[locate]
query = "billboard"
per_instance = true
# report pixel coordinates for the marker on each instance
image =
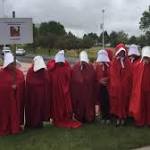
(16, 31)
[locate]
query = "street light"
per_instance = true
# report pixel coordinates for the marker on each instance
(103, 38)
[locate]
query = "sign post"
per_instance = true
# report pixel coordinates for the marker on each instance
(16, 30)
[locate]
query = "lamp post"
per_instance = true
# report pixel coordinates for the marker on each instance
(103, 38)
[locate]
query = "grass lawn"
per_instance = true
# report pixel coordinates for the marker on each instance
(89, 137)
(92, 52)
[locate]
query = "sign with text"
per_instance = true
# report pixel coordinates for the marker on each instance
(16, 30)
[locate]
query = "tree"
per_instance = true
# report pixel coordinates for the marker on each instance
(49, 33)
(118, 37)
(48, 41)
(141, 40)
(93, 36)
(52, 27)
(132, 40)
(145, 21)
(113, 38)
(122, 37)
(69, 41)
(106, 37)
(87, 42)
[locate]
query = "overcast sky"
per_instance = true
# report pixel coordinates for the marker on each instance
(82, 16)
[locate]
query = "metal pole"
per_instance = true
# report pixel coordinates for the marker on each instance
(15, 80)
(103, 38)
(3, 12)
(3, 8)
(13, 16)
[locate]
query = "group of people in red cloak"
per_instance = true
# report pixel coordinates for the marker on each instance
(116, 85)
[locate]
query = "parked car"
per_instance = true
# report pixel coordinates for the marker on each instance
(5, 50)
(20, 52)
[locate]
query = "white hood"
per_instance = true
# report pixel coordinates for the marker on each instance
(8, 59)
(133, 50)
(59, 57)
(146, 51)
(38, 63)
(84, 56)
(102, 56)
(119, 50)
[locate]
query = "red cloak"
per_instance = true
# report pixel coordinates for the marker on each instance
(83, 89)
(61, 106)
(120, 88)
(100, 74)
(140, 98)
(37, 108)
(11, 101)
(110, 53)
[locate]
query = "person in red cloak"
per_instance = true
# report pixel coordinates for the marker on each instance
(83, 89)
(140, 98)
(102, 76)
(120, 84)
(97, 105)
(37, 106)
(12, 88)
(133, 53)
(61, 107)
(110, 53)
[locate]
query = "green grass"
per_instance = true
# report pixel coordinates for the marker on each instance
(71, 53)
(43, 52)
(92, 52)
(89, 137)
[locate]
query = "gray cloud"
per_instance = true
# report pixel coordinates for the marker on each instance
(83, 16)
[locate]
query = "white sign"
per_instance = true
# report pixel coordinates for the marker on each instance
(16, 30)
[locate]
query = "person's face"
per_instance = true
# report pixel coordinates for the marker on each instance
(146, 60)
(121, 53)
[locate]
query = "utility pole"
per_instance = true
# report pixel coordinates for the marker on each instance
(15, 47)
(103, 38)
(14, 16)
(3, 8)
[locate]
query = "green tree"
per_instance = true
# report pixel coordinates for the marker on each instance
(118, 37)
(87, 42)
(106, 37)
(52, 27)
(93, 36)
(49, 33)
(132, 40)
(141, 40)
(113, 38)
(145, 21)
